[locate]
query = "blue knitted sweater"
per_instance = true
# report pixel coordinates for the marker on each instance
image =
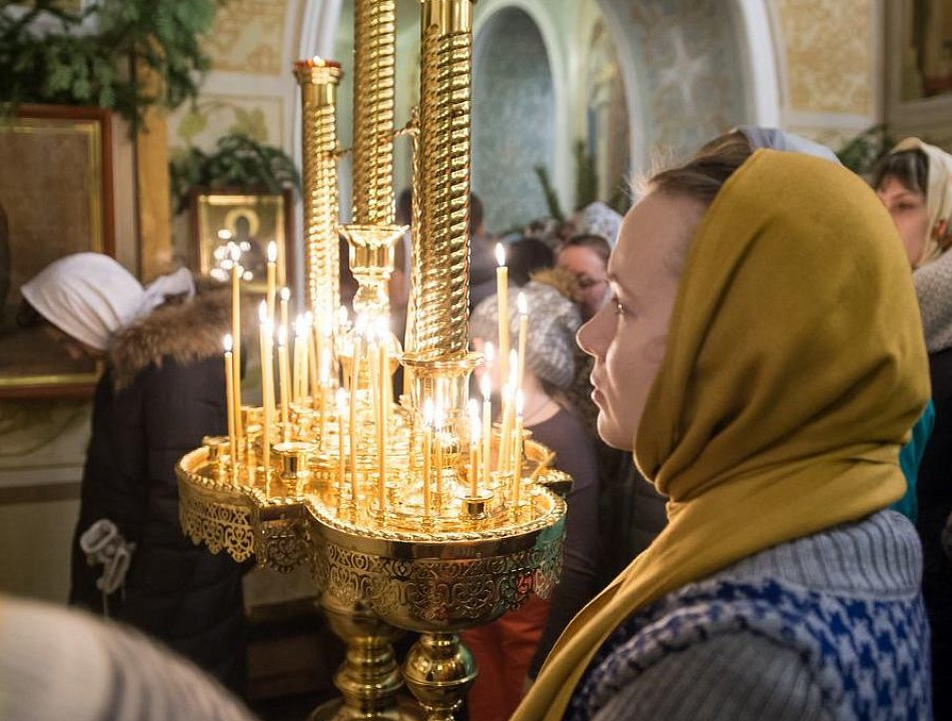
(828, 627)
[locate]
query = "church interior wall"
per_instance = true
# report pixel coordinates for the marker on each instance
(686, 75)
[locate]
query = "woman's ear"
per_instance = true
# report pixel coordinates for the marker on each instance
(943, 235)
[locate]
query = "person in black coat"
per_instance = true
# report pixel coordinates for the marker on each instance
(163, 389)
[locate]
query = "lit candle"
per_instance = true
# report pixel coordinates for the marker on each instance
(382, 373)
(440, 423)
(272, 267)
(502, 300)
(489, 357)
(301, 333)
(236, 330)
(283, 373)
(427, 451)
(267, 383)
(230, 398)
(323, 380)
(486, 389)
(285, 297)
(517, 450)
(523, 329)
(474, 447)
(315, 356)
(354, 374)
(341, 408)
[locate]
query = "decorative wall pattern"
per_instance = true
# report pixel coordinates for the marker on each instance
(248, 37)
(512, 125)
(691, 70)
(828, 54)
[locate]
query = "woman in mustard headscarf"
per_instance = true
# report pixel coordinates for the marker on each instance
(762, 355)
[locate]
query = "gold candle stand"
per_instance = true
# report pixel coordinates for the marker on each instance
(318, 80)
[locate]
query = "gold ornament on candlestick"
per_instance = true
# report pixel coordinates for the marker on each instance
(411, 515)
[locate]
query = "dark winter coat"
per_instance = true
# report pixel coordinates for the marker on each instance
(163, 390)
(934, 492)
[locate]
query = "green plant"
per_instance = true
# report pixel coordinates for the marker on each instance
(238, 163)
(551, 198)
(861, 153)
(586, 178)
(78, 66)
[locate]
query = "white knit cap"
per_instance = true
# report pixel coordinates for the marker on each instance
(550, 338)
(89, 296)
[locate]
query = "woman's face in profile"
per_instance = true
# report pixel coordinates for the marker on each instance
(909, 213)
(628, 335)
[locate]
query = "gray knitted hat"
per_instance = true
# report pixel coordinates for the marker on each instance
(550, 337)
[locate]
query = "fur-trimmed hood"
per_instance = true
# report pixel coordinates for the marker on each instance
(185, 332)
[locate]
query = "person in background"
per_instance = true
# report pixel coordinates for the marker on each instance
(482, 255)
(525, 257)
(762, 356)
(915, 184)
(162, 390)
(586, 257)
(595, 219)
(514, 646)
(58, 663)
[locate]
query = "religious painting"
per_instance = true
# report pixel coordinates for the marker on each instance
(247, 220)
(926, 49)
(55, 200)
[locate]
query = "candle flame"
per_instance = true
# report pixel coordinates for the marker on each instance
(484, 387)
(500, 255)
(263, 312)
(490, 352)
(228, 342)
(300, 326)
(522, 304)
(235, 252)
(341, 398)
(513, 367)
(475, 429)
(325, 365)
(272, 252)
(285, 294)
(282, 335)
(428, 412)
(520, 402)
(472, 408)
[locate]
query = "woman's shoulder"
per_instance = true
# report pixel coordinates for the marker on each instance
(183, 333)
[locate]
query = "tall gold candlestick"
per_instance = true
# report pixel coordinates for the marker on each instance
(314, 357)
(318, 79)
(502, 308)
(283, 374)
(523, 307)
(236, 271)
(441, 307)
(230, 398)
(272, 277)
(374, 60)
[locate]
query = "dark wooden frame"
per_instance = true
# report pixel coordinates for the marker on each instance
(72, 385)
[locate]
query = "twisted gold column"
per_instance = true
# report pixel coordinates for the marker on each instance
(442, 302)
(374, 60)
(318, 80)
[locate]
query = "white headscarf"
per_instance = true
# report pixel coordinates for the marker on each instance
(776, 139)
(89, 296)
(598, 219)
(938, 195)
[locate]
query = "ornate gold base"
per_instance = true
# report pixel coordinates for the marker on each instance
(336, 710)
(439, 671)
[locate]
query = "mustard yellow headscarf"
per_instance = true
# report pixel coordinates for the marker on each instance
(794, 369)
